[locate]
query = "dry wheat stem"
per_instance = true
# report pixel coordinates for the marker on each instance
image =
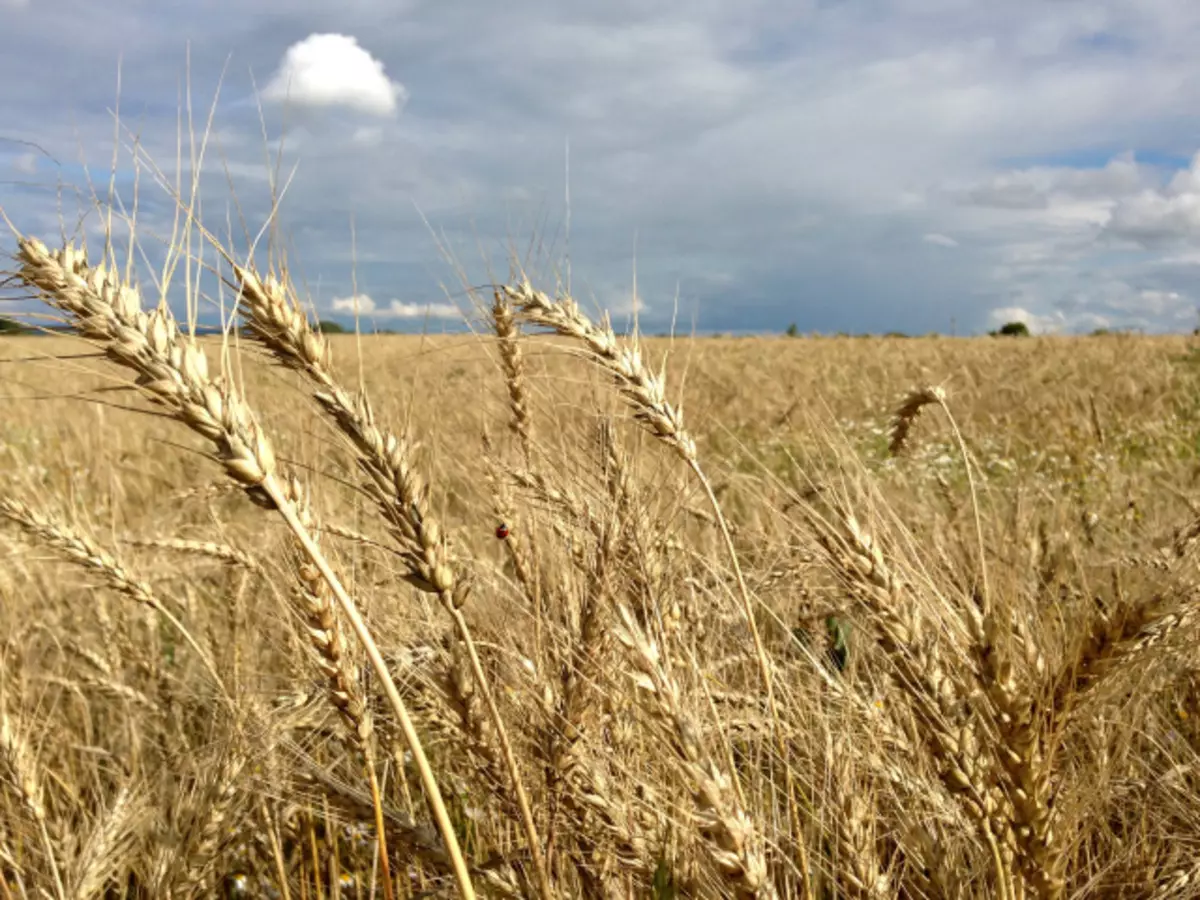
(16, 752)
(646, 394)
(87, 553)
(278, 322)
(345, 692)
(173, 371)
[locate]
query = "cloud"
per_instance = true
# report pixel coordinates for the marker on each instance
(25, 163)
(333, 70)
(1158, 304)
(396, 309)
(1171, 212)
(771, 162)
(361, 304)
(939, 240)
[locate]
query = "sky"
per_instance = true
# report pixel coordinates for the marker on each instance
(844, 165)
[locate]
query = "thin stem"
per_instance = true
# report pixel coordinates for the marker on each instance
(765, 670)
(962, 448)
(380, 831)
(510, 760)
(433, 794)
(49, 846)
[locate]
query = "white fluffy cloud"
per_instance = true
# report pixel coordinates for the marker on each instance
(363, 305)
(1161, 214)
(333, 70)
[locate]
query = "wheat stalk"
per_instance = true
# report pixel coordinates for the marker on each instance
(284, 329)
(18, 756)
(173, 372)
(85, 552)
(907, 413)
(645, 393)
(732, 839)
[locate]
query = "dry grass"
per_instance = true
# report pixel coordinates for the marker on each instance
(263, 634)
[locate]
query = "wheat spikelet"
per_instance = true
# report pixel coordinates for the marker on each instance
(906, 415)
(109, 846)
(26, 778)
(731, 836)
(173, 372)
(393, 483)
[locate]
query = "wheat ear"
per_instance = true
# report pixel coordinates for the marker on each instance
(277, 321)
(17, 754)
(732, 839)
(937, 689)
(345, 693)
(173, 372)
(646, 394)
(85, 552)
(907, 413)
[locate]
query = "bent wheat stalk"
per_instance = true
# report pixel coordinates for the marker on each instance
(172, 370)
(277, 321)
(646, 394)
(84, 551)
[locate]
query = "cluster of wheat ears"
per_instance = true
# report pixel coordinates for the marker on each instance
(621, 696)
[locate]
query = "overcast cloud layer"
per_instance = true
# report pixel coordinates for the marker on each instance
(857, 165)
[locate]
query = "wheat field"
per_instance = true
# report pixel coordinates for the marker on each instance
(549, 611)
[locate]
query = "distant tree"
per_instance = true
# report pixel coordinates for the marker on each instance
(326, 327)
(1011, 329)
(792, 330)
(895, 334)
(8, 326)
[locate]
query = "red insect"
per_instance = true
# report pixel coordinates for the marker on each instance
(501, 531)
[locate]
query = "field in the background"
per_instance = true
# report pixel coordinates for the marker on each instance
(127, 771)
(1110, 423)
